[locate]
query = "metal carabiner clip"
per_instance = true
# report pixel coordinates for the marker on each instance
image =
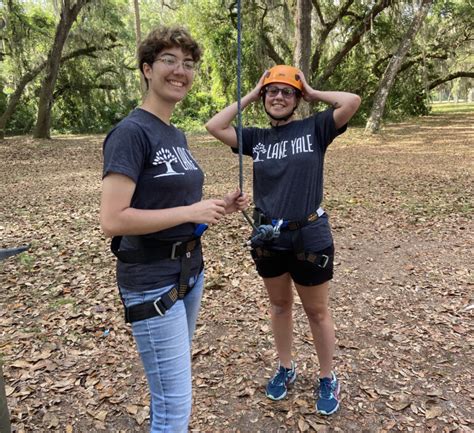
(276, 228)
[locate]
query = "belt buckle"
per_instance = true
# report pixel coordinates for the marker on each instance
(173, 250)
(157, 308)
(325, 261)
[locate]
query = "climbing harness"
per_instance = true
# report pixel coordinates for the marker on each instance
(294, 227)
(152, 250)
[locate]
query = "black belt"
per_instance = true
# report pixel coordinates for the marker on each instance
(260, 218)
(151, 253)
(320, 260)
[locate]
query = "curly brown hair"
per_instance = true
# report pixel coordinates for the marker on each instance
(166, 37)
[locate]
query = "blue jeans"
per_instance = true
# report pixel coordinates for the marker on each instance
(164, 344)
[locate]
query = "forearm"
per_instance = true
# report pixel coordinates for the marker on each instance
(131, 221)
(345, 104)
(333, 98)
(220, 126)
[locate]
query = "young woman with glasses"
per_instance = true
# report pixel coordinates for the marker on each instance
(152, 206)
(288, 190)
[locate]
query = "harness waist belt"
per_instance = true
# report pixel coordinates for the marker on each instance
(261, 218)
(148, 254)
(320, 260)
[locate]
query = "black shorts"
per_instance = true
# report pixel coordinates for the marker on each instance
(302, 272)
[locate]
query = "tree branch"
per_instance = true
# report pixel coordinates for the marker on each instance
(271, 50)
(317, 8)
(15, 97)
(328, 27)
(354, 39)
(449, 77)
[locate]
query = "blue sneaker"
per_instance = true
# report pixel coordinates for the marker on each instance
(328, 401)
(277, 387)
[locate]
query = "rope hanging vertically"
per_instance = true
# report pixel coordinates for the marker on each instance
(239, 91)
(263, 231)
(239, 108)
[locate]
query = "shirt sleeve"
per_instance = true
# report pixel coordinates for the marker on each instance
(248, 138)
(325, 128)
(125, 151)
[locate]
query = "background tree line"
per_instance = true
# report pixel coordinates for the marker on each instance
(69, 66)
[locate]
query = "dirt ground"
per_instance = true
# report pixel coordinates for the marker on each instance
(401, 208)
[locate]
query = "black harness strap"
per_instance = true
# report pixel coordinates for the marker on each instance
(153, 252)
(158, 307)
(320, 260)
(261, 218)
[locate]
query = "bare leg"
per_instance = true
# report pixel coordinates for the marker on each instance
(315, 303)
(281, 298)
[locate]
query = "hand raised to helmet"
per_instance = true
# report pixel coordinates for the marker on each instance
(307, 91)
(255, 94)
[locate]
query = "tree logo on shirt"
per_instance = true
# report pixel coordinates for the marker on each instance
(259, 148)
(164, 156)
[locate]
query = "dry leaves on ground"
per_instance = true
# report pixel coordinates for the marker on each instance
(401, 210)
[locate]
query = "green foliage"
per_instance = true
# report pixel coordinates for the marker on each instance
(26, 260)
(93, 91)
(97, 89)
(3, 95)
(193, 111)
(444, 108)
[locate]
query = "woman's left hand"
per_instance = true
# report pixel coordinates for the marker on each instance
(234, 201)
(308, 91)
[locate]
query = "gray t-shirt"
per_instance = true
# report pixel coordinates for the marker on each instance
(288, 164)
(157, 158)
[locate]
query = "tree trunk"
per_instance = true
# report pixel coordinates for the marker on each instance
(303, 44)
(31, 75)
(15, 98)
(378, 107)
(69, 14)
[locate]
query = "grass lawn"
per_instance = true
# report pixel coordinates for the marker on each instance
(451, 107)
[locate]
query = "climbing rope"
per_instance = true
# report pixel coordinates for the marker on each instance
(239, 95)
(264, 232)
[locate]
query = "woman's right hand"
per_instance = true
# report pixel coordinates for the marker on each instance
(255, 94)
(208, 211)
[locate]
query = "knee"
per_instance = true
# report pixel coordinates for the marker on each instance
(282, 307)
(317, 314)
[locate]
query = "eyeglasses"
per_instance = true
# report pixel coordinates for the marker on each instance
(172, 62)
(286, 92)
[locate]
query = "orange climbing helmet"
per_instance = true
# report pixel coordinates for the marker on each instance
(284, 74)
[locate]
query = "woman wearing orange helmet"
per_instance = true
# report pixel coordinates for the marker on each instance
(288, 162)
